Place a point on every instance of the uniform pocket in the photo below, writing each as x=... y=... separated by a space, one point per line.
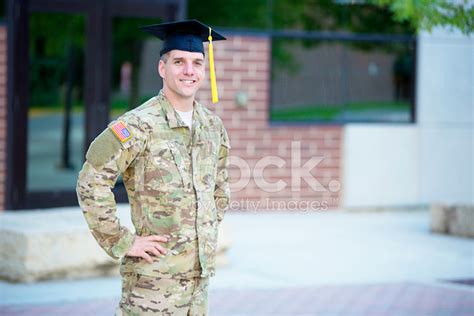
x=207 y=154
x=207 y=145
x=166 y=161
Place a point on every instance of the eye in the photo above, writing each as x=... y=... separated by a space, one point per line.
x=198 y=63
x=178 y=62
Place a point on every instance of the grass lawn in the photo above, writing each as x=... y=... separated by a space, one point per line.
x=327 y=113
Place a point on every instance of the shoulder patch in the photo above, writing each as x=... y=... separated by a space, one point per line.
x=121 y=131
x=103 y=148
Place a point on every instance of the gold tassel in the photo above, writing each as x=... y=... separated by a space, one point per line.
x=212 y=71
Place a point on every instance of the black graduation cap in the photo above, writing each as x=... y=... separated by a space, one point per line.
x=183 y=35
x=188 y=36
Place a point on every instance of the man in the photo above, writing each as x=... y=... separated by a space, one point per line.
x=172 y=153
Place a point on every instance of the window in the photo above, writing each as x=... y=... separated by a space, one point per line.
x=135 y=56
x=56 y=105
x=342 y=80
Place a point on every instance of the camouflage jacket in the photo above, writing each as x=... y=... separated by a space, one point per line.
x=176 y=181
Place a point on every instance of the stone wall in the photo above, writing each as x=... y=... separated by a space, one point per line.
x=56 y=243
x=455 y=220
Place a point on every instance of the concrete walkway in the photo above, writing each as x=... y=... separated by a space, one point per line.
x=322 y=263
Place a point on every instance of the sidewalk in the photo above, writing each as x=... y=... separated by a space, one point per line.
x=332 y=263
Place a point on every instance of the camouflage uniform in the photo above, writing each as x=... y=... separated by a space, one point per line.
x=177 y=185
x=146 y=295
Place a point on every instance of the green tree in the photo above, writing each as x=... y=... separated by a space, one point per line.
x=362 y=16
x=309 y=15
x=427 y=14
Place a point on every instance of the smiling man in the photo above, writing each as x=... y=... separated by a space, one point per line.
x=172 y=153
x=182 y=74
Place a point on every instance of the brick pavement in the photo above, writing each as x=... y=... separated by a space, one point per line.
x=397 y=299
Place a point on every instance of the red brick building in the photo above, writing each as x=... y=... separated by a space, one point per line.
x=268 y=160
x=419 y=155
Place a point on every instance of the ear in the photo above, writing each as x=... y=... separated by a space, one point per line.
x=161 y=69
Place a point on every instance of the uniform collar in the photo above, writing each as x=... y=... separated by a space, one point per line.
x=174 y=120
x=200 y=118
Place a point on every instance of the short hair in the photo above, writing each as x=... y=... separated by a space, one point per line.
x=165 y=57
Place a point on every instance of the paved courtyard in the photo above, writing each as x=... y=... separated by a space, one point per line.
x=321 y=263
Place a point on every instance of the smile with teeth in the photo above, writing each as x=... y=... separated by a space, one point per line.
x=187 y=81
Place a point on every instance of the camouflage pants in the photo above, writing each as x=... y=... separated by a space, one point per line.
x=147 y=295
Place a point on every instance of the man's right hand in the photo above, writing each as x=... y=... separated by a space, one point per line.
x=143 y=247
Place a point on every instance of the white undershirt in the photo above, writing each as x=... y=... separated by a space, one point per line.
x=187 y=117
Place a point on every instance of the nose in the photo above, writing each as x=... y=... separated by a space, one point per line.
x=188 y=69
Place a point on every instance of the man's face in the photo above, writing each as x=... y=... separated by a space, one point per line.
x=182 y=73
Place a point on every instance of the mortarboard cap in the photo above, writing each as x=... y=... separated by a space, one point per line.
x=188 y=36
x=183 y=35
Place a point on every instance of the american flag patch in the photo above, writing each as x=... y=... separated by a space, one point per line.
x=121 y=131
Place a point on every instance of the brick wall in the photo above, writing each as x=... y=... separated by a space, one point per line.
x=3 y=112
x=273 y=154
